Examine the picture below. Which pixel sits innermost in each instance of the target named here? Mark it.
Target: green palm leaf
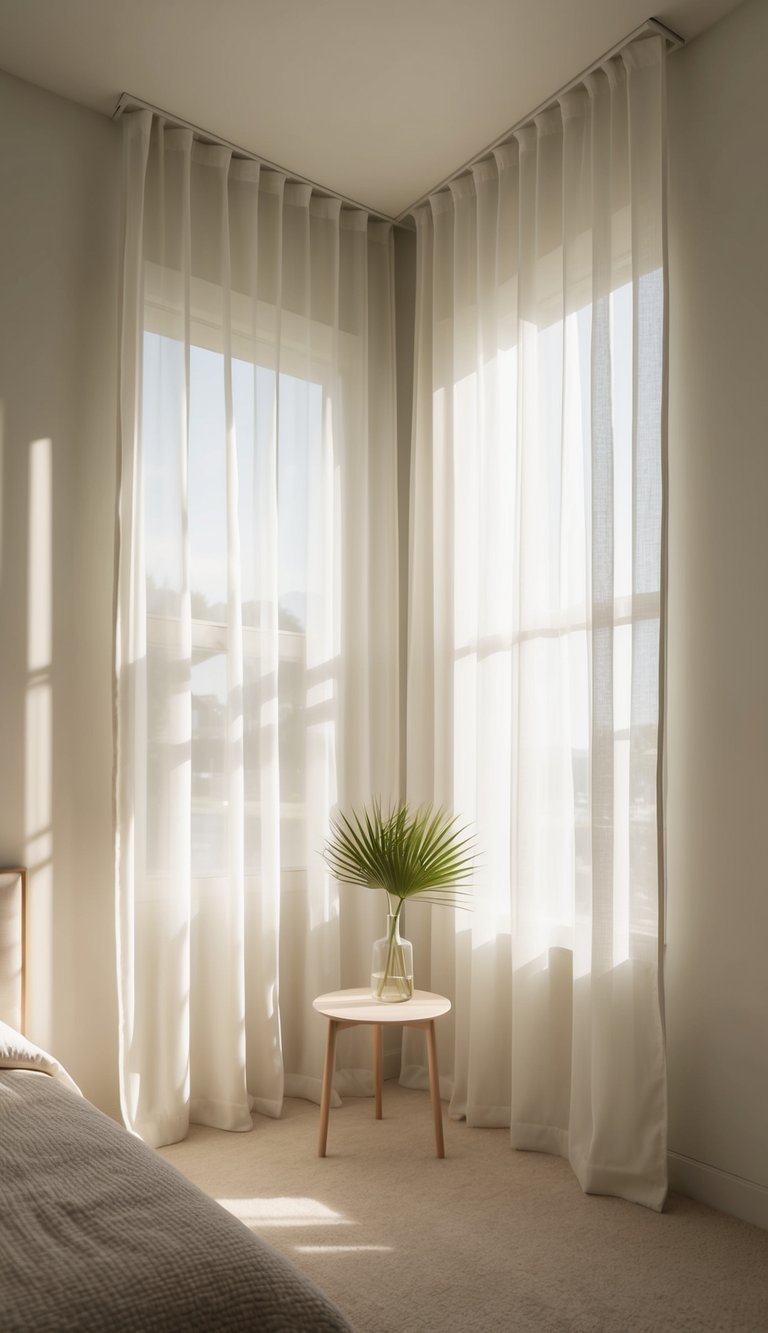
(405, 853)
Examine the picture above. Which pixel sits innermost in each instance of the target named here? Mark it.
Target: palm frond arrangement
(407, 854)
(422, 853)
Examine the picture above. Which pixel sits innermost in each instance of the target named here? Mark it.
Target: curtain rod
(129, 102)
(651, 27)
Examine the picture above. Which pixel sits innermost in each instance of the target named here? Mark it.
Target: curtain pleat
(534, 624)
(257, 646)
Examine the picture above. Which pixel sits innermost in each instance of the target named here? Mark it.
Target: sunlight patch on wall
(40, 600)
(39, 777)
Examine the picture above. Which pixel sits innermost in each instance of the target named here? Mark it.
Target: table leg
(378, 1064)
(434, 1088)
(325, 1100)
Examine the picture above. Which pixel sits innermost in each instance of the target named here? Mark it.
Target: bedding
(98, 1232)
(18, 1052)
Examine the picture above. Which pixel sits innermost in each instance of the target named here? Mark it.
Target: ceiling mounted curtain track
(128, 102)
(650, 28)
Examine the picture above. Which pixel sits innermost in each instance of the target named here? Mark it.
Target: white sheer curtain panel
(256, 638)
(535, 607)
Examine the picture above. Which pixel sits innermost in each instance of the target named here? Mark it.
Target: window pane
(209, 764)
(299, 446)
(207, 487)
(163, 389)
(278, 431)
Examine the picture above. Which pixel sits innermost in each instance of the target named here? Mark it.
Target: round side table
(347, 1008)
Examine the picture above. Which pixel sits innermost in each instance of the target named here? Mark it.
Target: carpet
(487, 1239)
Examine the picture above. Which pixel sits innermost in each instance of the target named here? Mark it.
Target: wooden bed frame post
(21, 872)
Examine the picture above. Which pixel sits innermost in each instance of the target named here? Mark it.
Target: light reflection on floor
(342, 1249)
(284, 1213)
(292, 1212)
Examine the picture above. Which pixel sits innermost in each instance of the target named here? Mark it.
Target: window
(262, 401)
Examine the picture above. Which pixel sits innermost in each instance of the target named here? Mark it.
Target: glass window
(262, 403)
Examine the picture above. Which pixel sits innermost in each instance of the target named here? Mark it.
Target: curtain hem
(159, 1132)
(308, 1089)
(233, 1116)
(648, 1190)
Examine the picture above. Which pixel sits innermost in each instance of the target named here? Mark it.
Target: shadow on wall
(38, 727)
(40, 745)
(59, 245)
(26, 674)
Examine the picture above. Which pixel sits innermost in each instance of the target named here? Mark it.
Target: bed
(97, 1231)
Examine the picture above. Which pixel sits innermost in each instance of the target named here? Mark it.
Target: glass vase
(392, 965)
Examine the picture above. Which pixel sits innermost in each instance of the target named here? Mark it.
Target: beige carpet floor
(487, 1239)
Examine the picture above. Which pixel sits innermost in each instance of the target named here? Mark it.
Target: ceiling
(377, 100)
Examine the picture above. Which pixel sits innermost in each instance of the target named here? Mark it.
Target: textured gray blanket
(98, 1232)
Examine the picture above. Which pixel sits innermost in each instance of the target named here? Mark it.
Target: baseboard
(731, 1194)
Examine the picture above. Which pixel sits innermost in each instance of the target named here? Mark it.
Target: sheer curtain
(535, 606)
(256, 639)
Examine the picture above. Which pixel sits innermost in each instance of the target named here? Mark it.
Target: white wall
(717, 809)
(59, 217)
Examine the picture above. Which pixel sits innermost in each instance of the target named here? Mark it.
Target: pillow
(17, 1052)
